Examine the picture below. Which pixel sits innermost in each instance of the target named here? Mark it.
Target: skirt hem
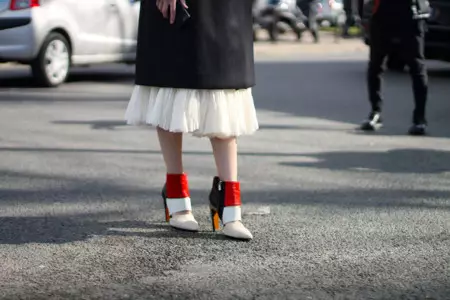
(196, 132)
(204, 113)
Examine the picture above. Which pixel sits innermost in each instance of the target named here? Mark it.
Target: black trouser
(349, 18)
(360, 8)
(411, 51)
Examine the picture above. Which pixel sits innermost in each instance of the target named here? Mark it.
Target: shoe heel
(166, 209)
(215, 220)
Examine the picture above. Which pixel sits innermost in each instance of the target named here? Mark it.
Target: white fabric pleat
(205, 113)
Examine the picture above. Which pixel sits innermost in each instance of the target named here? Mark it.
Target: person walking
(403, 20)
(194, 74)
(349, 18)
(310, 9)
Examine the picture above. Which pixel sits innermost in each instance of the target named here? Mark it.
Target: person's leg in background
(360, 8)
(175, 194)
(303, 7)
(313, 26)
(348, 18)
(379, 46)
(225, 197)
(413, 49)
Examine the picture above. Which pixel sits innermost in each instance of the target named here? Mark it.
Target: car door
(99, 27)
(128, 11)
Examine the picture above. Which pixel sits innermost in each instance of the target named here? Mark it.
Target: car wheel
(52, 65)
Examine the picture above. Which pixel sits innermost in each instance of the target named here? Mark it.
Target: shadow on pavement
(72, 228)
(95, 124)
(22, 78)
(59, 229)
(357, 198)
(102, 75)
(297, 127)
(439, 73)
(89, 191)
(412, 161)
(18, 82)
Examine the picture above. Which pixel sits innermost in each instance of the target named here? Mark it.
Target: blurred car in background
(437, 37)
(51, 36)
(331, 13)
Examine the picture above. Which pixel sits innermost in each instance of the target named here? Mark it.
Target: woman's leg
(171, 147)
(177, 199)
(225, 156)
(226, 192)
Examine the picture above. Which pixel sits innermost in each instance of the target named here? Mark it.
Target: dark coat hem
(195, 86)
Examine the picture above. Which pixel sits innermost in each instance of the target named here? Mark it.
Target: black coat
(213, 50)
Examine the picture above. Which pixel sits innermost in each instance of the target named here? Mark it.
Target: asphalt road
(336, 214)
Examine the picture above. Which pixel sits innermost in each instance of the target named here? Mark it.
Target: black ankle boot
(225, 206)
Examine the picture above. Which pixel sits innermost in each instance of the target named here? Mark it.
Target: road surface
(336, 214)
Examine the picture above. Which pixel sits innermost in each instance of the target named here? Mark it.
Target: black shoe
(299, 35)
(372, 123)
(418, 129)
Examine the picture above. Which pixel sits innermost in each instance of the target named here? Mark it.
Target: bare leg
(225, 156)
(171, 147)
(172, 150)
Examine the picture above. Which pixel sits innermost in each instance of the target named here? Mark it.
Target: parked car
(51, 36)
(437, 37)
(331, 13)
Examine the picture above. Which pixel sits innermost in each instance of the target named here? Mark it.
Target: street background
(336, 214)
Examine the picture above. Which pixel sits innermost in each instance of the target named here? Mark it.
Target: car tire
(52, 65)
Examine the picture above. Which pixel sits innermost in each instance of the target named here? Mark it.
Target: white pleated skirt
(204, 113)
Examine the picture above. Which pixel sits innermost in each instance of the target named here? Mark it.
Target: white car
(331, 13)
(53, 35)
